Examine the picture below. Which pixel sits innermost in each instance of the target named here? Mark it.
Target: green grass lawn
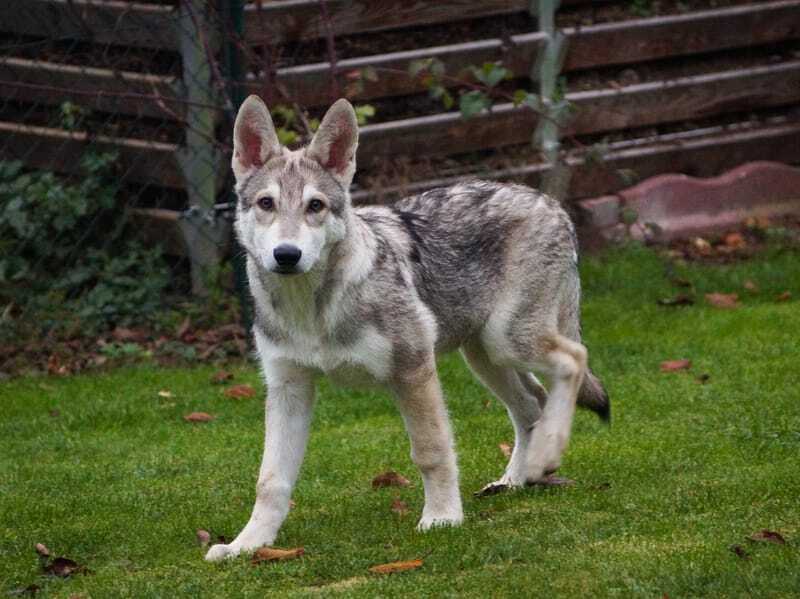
(119, 482)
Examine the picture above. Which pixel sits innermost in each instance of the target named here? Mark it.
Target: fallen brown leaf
(680, 299)
(221, 377)
(63, 567)
(735, 240)
(396, 567)
(768, 536)
(399, 507)
(203, 537)
(704, 378)
(42, 549)
(750, 286)
(785, 296)
(390, 478)
(166, 394)
(31, 589)
(506, 449)
(673, 365)
(183, 328)
(198, 417)
(271, 554)
(740, 552)
(725, 301)
(124, 335)
(240, 392)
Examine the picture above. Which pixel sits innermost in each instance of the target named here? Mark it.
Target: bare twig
(331, 46)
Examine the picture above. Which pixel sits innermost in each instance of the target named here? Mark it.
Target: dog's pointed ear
(254, 137)
(335, 142)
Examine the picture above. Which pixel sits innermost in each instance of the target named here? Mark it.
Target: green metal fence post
(234, 25)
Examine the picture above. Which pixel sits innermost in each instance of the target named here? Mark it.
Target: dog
(370, 295)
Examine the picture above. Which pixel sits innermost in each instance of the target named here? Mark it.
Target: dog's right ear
(254, 138)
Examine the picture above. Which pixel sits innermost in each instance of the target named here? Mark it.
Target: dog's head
(292, 204)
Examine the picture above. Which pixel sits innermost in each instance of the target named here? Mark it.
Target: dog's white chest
(364, 362)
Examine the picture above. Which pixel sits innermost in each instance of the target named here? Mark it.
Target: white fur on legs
(565, 362)
(522, 406)
(290, 400)
(420, 401)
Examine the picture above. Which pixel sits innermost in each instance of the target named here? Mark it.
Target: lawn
(104, 470)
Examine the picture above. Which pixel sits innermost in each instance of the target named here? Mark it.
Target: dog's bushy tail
(593, 396)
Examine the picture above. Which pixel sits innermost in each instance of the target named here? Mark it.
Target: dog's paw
(220, 552)
(428, 522)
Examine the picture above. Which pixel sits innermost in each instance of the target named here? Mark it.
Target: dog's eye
(266, 203)
(316, 205)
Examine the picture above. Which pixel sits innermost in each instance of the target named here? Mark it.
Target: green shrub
(66, 255)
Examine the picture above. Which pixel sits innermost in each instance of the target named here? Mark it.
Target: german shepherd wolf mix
(373, 294)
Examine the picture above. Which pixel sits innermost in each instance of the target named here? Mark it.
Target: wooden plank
(679, 35)
(596, 111)
(702, 153)
(104, 90)
(98, 21)
(293, 20)
(147, 162)
(593, 46)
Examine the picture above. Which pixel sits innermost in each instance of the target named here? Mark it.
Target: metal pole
(233, 22)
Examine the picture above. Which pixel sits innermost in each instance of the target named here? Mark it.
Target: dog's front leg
(419, 398)
(290, 401)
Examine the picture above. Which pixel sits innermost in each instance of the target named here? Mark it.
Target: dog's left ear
(335, 142)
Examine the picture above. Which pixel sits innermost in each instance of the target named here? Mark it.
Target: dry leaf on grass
(506, 449)
(399, 507)
(750, 286)
(221, 377)
(42, 549)
(271, 554)
(198, 417)
(768, 536)
(240, 392)
(680, 299)
(203, 537)
(396, 567)
(740, 552)
(725, 301)
(704, 378)
(674, 365)
(390, 478)
(64, 567)
(785, 296)
(164, 393)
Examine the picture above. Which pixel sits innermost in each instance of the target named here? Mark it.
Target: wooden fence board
(98, 89)
(702, 153)
(100, 21)
(147, 162)
(587, 47)
(596, 111)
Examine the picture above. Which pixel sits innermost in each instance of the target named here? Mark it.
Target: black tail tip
(604, 410)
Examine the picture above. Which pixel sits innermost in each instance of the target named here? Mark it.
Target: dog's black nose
(287, 255)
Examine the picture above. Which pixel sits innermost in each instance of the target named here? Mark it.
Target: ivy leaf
(491, 73)
(472, 103)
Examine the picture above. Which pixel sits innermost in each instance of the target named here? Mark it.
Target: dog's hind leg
(522, 397)
(564, 361)
(420, 401)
